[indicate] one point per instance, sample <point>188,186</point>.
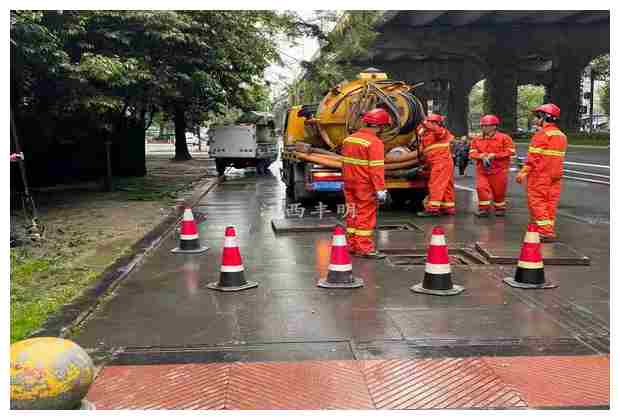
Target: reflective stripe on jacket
<point>363,159</point>
<point>545,156</point>
<point>501,145</point>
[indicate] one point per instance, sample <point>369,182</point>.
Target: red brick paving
<point>548,381</point>
<point>437,383</point>
<point>487,382</point>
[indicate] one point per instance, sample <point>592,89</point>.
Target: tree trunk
<point>180,147</point>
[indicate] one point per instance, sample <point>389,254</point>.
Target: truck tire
<point>417,196</point>
<point>220,166</point>
<point>262,166</point>
<point>296,186</point>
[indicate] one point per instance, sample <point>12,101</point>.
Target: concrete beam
<point>420,17</point>
<point>461,18</point>
<point>551,16</point>
<point>593,16</point>
<point>511,17</point>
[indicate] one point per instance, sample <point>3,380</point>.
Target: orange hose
<point>333,162</point>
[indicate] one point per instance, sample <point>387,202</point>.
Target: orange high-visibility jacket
<point>363,160</point>
<point>500,145</point>
<point>545,156</point>
<point>435,142</point>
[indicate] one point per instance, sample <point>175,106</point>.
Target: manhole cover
<point>553,253</point>
<point>457,256</point>
<point>314,224</point>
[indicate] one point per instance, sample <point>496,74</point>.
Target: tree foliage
<point>119,65</point>
<point>600,65</point>
<point>346,43</point>
<point>528,98</point>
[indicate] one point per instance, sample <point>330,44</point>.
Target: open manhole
<point>416,257</point>
<point>314,224</point>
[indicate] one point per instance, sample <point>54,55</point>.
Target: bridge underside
<point>450,51</point>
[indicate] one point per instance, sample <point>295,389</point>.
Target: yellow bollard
<point>49,373</point>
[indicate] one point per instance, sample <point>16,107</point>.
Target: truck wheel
<point>417,196</point>
<point>261,167</point>
<point>220,166</point>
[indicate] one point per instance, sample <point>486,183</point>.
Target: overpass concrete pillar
<point>564,89</point>
<point>501,95</point>
<point>458,105</point>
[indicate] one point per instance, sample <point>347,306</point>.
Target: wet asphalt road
<point>164,303</point>
<point>582,201</point>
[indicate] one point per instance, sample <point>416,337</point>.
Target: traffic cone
<point>340,270</point>
<point>530,273</point>
<point>437,274</point>
<point>189,242</point>
<point>231,271</point>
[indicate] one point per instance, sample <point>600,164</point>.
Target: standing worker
<point>364,181</point>
<point>492,153</point>
<point>435,143</point>
<point>544,169</point>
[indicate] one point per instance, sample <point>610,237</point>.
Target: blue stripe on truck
<point>327,186</point>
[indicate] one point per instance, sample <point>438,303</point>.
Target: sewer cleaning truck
<point>313,137</point>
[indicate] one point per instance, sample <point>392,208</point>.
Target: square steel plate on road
<point>553,253</point>
<point>327,224</point>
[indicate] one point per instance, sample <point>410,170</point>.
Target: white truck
<point>249,143</point>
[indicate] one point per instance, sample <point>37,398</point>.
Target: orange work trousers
<point>491,190</point>
<point>441,188</point>
<point>543,197</point>
<point>361,217</point>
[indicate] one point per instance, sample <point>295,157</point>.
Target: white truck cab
<point>251,143</point>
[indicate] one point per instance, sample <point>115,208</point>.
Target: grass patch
<point>581,139</point>
<point>40,286</point>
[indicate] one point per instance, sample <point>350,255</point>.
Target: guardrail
<point>590,177</point>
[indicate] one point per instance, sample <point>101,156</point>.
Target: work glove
<point>486,162</point>
<point>382,196</point>
<point>520,177</point>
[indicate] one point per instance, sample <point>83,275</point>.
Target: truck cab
<point>251,142</point>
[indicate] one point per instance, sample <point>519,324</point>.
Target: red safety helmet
<point>377,116</point>
<point>489,120</point>
<point>549,109</point>
<point>435,117</point>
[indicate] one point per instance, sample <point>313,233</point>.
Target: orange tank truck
<point>313,136</point>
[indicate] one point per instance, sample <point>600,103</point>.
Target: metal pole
<point>22,167</point>
<point>35,231</point>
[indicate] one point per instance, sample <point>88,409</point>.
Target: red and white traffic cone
<point>232,278</point>
<point>530,273</point>
<point>189,241</point>
<point>340,270</point>
<point>437,273</point>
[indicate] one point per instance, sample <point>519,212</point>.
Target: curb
<point>76,311</point>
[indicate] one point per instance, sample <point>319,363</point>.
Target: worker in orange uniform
<point>435,144</point>
<point>364,182</point>
<point>544,169</point>
<point>492,153</point>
